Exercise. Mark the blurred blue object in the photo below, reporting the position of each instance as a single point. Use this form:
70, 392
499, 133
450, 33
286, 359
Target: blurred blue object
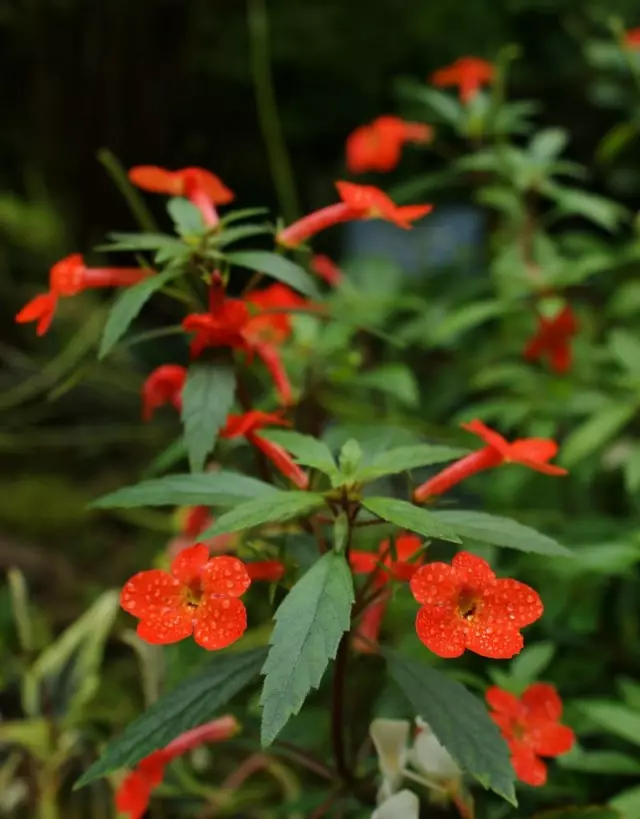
451, 236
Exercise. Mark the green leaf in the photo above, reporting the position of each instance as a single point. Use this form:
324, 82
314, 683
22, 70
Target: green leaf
580, 812
243, 213
626, 803
616, 140
604, 212
278, 267
309, 625
307, 450
445, 107
207, 397
192, 703
127, 306
276, 507
596, 432
616, 719
405, 458
500, 531
408, 516
395, 380
350, 457
625, 348
548, 144
532, 661
204, 489
459, 720
235, 234
141, 241
600, 762
185, 216
467, 318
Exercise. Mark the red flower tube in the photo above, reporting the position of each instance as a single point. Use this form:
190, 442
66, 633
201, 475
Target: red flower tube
531, 452
468, 73
327, 269
201, 187
531, 726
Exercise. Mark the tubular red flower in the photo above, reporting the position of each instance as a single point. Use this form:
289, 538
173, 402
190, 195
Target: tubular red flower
367, 633
327, 269
464, 606
358, 202
531, 726
468, 73
552, 340
532, 452
268, 570
199, 596
273, 327
163, 386
201, 187
132, 797
378, 146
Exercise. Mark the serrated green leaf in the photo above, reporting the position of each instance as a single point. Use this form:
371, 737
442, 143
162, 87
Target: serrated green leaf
614, 718
185, 216
192, 703
127, 306
459, 720
204, 489
411, 517
207, 397
307, 450
278, 267
405, 458
309, 625
500, 532
277, 507
594, 433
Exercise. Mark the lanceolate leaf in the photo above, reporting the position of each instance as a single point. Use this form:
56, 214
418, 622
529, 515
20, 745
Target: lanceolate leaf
500, 532
127, 306
410, 517
309, 625
459, 720
276, 507
207, 398
192, 703
278, 267
307, 450
596, 432
405, 458
204, 489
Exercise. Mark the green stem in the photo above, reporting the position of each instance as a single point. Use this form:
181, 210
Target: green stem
121, 180
270, 125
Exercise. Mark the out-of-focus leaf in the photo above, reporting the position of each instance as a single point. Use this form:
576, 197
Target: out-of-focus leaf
625, 349
614, 718
396, 380
548, 144
444, 107
616, 140
596, 432
467, 318
627, 804
604, 212
600, 762
532, 661
185, 216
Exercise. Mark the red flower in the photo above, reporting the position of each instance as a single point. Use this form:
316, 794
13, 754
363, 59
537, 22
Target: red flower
531, 727
199, 597
358, 202
327, 269
553, 340
464, 606
201, 187
70, 276
133, 795
269, 570
247, 425
231, 323
532, 452
163, 386
378, 146
468, 73
632, 38
383, 568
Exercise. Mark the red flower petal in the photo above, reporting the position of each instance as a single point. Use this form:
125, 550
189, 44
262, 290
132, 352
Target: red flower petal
363, 562
441, 630
269, 570
41, 309
490, 437
542, 702
133, 794
188, 565
528, 768
405, 214
198, 179
152, 593
220, 621
273, 363
157, 180
472, 570
282, 461
239, 425
539, 450
435, 584
497, 639
552, 739
226, 576
365, 639
511, 602
504, 702
167, 627
407, 546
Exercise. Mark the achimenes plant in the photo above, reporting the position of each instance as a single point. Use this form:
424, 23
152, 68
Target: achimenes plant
332, 593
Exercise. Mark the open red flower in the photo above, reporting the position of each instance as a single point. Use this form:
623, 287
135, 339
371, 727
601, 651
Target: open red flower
378, 146
531, 726
358, 202
383, 567
632, 38
532, 452
468, 73
71, 276
201, 187
271, 319
199, 596
247, 426
327, 269
553, 340
464, 606
163, 386
132, 797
